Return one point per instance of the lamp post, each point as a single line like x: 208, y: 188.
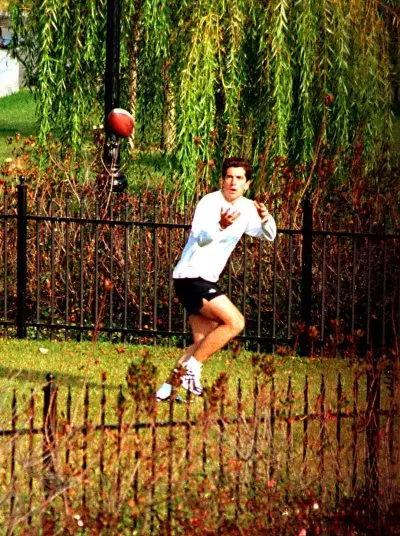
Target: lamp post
x: 112, y: 94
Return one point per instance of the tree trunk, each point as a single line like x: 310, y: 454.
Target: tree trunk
x: 395, y: 461
x: 397, y: 69
x: 133, y: 51
x: 168, y: 135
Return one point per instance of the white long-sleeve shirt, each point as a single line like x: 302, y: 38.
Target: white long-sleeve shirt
x: 208, y: 247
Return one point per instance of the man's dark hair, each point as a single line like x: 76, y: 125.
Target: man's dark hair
x: 235, y: 161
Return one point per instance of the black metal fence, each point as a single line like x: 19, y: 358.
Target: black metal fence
x: 98, y: 457
x: 86, y: 266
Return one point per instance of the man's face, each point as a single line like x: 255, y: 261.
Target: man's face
x: 234, y: 184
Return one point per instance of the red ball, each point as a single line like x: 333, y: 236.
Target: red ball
x: 120, y: 122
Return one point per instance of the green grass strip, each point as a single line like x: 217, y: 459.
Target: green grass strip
x: 17, y: 115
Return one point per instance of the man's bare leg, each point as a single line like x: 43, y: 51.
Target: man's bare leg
x: 201, y: 327
x: 218, y: 323
x: 229, y: 322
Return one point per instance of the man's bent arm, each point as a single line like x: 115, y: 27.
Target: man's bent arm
x: 269, y: 228
x: 205, y: 225
x: 265, y: 230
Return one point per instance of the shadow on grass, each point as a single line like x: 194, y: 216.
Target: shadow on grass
x: 39, y: 378
x: 25, y: 129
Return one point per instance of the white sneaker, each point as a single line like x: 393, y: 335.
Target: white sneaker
x: 164, y: 394
x: 178, y: 399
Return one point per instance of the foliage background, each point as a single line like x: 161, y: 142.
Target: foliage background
x: 210, y: 78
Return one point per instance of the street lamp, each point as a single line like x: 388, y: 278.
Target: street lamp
x: 112, y: 94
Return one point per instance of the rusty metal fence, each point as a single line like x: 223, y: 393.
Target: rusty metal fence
x: 94, y: 452
x: 81, y: 267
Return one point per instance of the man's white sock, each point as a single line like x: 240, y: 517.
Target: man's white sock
x: 191, y: 378
x: 164, y: 391
x: 193, y: 364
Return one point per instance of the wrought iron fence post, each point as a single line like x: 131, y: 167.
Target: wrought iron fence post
x: 21, y: 258
x: 372, y: 431
x: 49, y: 419
x: 306, y: 273
x: 49, y: 449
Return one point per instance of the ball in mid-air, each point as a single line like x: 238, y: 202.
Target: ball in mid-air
x: 120, y: 122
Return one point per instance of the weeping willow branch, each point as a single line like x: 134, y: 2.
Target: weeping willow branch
x: 197, y: 102
x: 306, y: 29
x: 282, y: 75
x: 315, y: 159
x: 232, y: 61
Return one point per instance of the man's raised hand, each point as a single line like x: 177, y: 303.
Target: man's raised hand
x: 228, y: 216
x: 262, y: 211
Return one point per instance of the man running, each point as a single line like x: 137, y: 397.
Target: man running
x: 220, y: 220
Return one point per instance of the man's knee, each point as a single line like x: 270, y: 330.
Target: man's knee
x: 237, y: 323
x: 198, y: 337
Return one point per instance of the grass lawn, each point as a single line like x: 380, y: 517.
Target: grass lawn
x: 140, y: 468
x: 24, y: 366
x: 17, y: 114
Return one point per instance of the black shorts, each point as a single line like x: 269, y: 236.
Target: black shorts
x: 191, y: 292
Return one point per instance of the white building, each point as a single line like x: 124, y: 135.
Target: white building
x: 9, y: 67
